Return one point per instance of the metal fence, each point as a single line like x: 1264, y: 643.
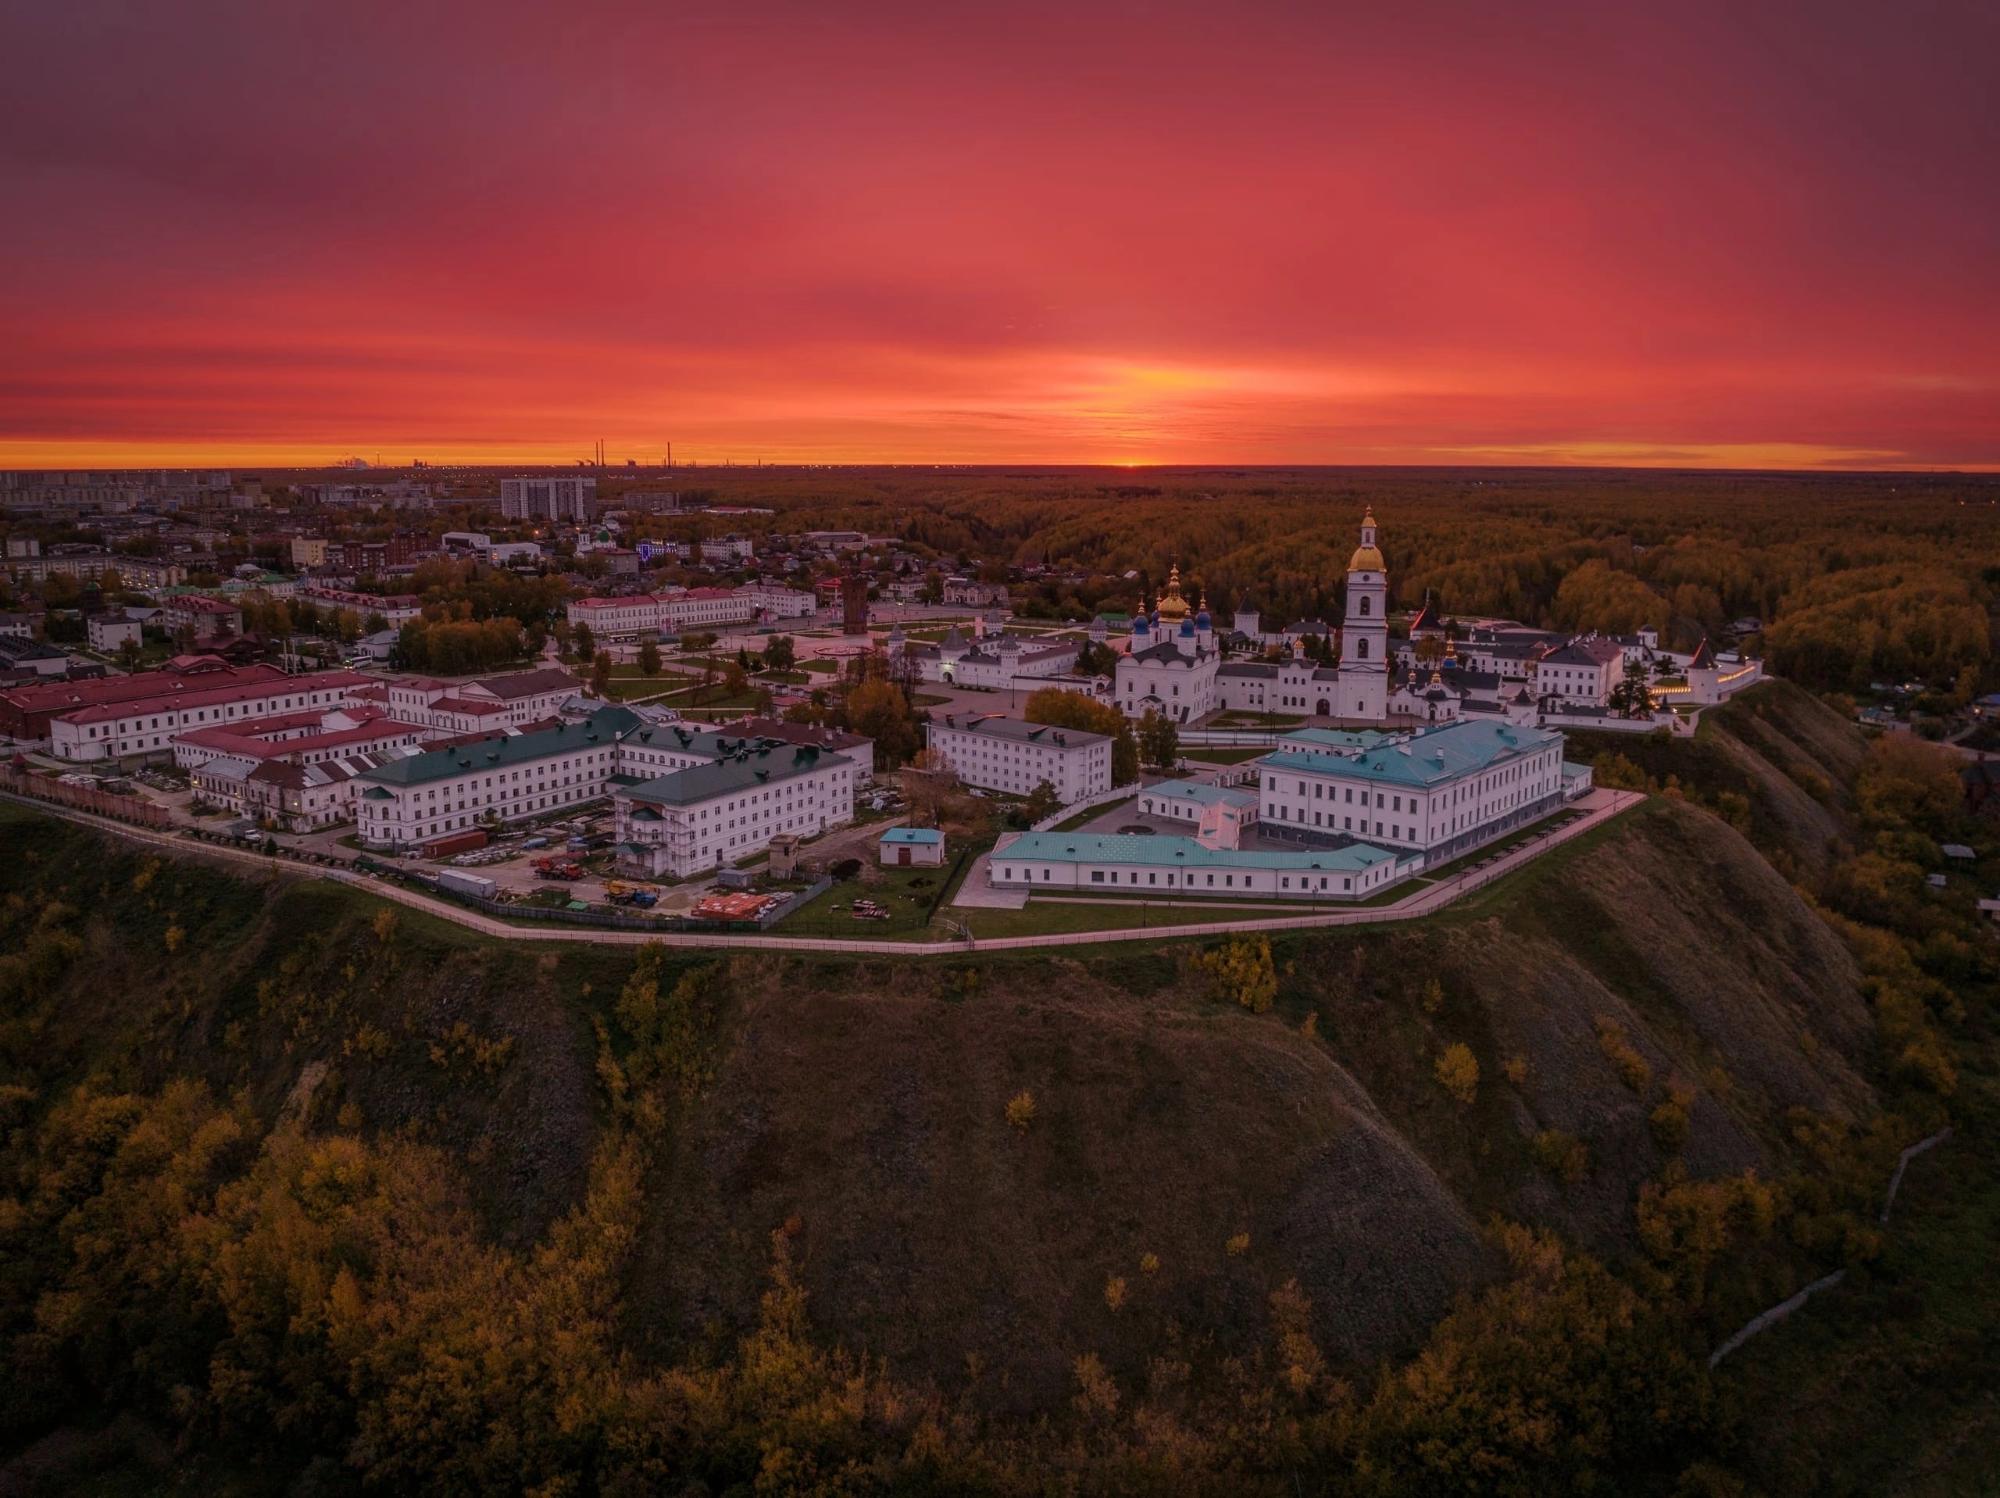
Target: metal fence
x: 134, y: 809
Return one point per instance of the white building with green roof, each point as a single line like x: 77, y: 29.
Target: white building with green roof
x: 517, y: 777
x: 718, y: 812
x: 1437, y: 791
x: 1128, y: 864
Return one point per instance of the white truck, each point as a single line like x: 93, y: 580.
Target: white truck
x: 461, y: 883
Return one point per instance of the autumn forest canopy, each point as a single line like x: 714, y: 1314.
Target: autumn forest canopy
x: 1856, y: 577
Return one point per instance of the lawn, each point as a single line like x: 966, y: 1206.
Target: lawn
x: 905, y: 893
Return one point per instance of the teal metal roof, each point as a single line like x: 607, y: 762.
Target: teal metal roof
x: 1200, y: 792
x: 1439, y: 756
x: 745, y: 770
x: 506, y: 750
x: 1337, y: 738
x: 1116, y: 847
x: 923, y: 835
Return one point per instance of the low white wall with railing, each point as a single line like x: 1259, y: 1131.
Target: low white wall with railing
x: 1054, y: 820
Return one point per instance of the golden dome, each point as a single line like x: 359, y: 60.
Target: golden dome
x: 1367, y: 556
x: 1171, y: 604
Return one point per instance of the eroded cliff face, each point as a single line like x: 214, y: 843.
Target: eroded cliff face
x: 1203, y: 1154
x: 870, y: 1108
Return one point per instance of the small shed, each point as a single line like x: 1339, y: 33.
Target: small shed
x: 908, y: 847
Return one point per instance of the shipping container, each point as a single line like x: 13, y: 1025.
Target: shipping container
x: 457, y: 842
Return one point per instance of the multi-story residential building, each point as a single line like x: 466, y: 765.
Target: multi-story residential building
x: 703, y: 816
x: 396, y: 609
x: 107, y: 632
x: 1008, y: 755
x: 355, y: 556
x: 721, y: 551
x: 144, y: 573
x: 204, y: 618
x: 1437, y: 791
x: 550, y: 498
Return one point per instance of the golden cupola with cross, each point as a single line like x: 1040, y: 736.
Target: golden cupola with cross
x: 1172, y: 608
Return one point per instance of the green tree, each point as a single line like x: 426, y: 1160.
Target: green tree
x: 1065, y: 709
x: 582, y: 641
x: 1159, y: 739
x: 779, y: 653
x: 1041, y: 802
x: 600, y: 672
x: 649, y: 658
x: 1632, y: 697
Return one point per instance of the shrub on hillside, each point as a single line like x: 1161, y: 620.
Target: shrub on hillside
x: 1458, y: 1072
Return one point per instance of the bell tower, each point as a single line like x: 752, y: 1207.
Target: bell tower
x: 1364, y: 633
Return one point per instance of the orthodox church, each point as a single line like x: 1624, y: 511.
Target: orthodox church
x: 1169, y: 665
x: 1356, y: 690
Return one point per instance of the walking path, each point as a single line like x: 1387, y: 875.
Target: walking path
x: 1600, y: 806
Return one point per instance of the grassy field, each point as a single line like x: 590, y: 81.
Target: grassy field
x: 905, y: 893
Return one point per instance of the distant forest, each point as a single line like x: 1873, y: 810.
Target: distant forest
x: 1857, y: 577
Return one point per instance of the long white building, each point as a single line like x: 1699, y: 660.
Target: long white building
x: 1163, y: 865
x: 1008, y: 755
x: 148, y: 725
x: 1436, y: 791
x: 651, y: 613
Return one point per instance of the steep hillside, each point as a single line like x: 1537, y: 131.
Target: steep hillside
x: 1789, y: 757
x: 1657, y: 963
x: 869, y: 1105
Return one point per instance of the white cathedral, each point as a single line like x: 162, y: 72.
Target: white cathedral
x: 1173, y: 665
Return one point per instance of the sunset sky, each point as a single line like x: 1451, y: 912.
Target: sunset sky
x: 1741, y: 234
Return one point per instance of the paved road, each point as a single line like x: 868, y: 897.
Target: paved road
x: 1601, y: 805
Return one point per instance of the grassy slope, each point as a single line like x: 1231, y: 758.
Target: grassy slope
x: 1891, y: 1384
x: 867, y: 1099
